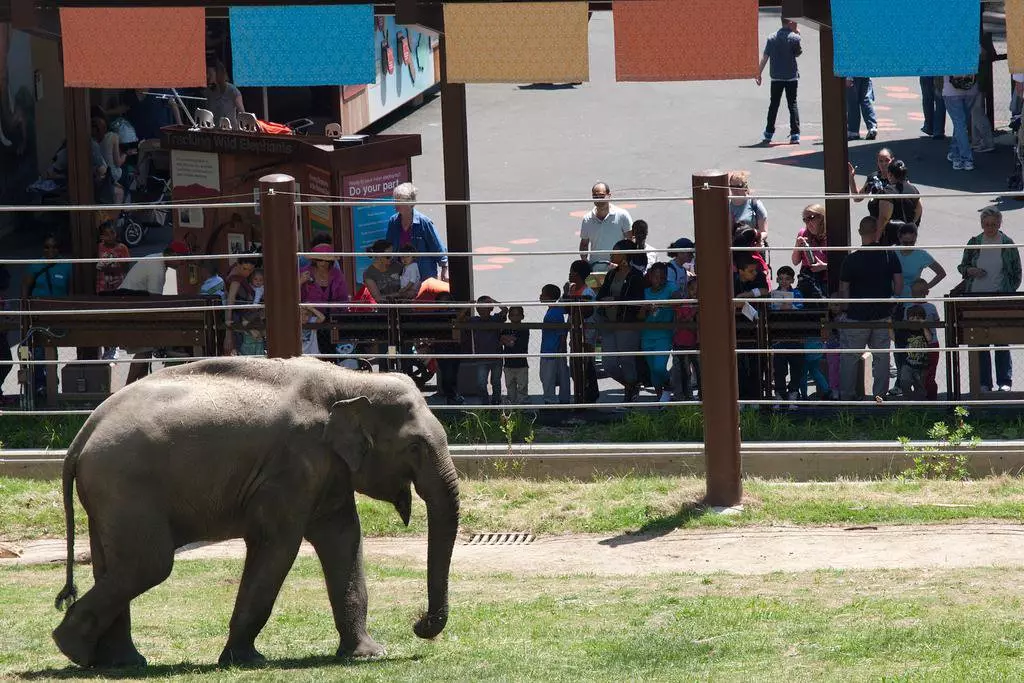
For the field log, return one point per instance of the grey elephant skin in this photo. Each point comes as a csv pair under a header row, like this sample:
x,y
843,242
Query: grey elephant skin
x,y
267,450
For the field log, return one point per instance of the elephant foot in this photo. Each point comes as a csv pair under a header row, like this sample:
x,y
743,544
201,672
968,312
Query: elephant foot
x,y
118,656
239,655
364,647
79,650
430,625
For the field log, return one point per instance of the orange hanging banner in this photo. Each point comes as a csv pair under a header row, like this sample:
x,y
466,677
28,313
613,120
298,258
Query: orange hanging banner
x,y
135,47
685,40
1015,35
516,42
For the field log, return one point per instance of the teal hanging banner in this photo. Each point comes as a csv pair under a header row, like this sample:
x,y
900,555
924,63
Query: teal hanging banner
x,y
294,46
906,37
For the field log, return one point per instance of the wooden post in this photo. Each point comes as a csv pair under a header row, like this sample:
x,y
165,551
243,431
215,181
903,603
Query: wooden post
x,y
82,225
455,142
280,266
719,380
837,158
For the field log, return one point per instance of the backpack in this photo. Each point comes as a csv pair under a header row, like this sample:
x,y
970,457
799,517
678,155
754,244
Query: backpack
x,y
963,82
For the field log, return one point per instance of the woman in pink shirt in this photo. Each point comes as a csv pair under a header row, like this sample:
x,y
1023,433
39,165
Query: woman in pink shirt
x,y
322,283
808,252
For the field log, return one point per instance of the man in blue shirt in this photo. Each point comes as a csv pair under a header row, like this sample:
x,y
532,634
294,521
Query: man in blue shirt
x,y
409,226
781,50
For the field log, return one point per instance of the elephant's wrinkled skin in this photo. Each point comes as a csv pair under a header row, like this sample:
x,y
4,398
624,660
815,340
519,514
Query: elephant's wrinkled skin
x,y
267,450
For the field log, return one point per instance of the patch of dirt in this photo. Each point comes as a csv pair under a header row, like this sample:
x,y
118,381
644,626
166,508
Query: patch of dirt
x,y
757,550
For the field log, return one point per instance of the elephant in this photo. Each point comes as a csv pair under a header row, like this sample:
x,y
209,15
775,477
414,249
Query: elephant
x,y
269,450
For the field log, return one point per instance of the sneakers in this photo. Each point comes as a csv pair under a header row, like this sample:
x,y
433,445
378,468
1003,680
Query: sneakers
x,y
794,139
766,139
872,134
949,157
853,136
984,150
967,166
985,389
666,396
959,165
1006,387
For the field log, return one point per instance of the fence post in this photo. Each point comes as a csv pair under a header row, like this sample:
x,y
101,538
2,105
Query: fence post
x,y
718,371
280,266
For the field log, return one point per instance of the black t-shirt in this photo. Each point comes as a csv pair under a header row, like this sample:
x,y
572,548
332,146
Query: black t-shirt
x,y
520,344
870,276
902,209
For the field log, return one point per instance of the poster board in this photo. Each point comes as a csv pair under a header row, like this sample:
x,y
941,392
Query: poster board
x,y
370,222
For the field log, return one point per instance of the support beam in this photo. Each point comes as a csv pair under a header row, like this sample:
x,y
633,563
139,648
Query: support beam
x,y
837,178
455,138
280,242
82,234
719,373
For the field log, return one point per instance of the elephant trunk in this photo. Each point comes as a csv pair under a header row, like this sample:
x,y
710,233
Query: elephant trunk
x,y
441,493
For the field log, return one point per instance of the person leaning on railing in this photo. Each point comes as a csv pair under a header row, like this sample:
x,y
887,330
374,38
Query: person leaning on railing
x,y
51,280
992,270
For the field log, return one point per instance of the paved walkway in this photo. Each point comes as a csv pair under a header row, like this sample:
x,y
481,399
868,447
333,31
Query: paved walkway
x,y
756,550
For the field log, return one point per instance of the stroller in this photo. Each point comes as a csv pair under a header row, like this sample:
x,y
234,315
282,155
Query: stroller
x,y
133,225
1015,183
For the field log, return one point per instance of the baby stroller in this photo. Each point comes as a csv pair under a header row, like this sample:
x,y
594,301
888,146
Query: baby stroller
x,y
1015,183
133,225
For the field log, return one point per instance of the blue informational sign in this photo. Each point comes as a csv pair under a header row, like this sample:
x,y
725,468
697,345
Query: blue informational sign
x,y
369,224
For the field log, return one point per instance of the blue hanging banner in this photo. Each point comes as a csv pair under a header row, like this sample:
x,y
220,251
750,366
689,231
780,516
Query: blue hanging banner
x,y
906,37
295,46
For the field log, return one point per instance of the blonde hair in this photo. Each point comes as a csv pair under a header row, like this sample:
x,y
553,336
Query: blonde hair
x,y
820,210
740,176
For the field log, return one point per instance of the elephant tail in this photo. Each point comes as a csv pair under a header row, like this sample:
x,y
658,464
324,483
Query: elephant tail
x,y
69,593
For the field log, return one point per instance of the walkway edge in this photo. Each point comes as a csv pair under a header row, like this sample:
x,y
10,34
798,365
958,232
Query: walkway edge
x,y
796,461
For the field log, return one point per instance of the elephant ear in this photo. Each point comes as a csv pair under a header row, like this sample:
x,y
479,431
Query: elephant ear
x,y
347,430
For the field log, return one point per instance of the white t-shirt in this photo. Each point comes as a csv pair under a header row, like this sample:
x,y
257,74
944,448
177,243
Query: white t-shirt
x,y
146,276
949,91
603,234
410,275
991,261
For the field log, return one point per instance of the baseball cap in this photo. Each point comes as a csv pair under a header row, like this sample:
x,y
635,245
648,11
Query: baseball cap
x,y
681,244
178,247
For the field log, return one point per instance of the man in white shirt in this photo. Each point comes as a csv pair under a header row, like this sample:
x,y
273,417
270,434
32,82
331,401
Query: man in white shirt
x,y
147,276
605,225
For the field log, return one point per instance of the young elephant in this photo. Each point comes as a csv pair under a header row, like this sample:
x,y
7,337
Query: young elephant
x,y
271,451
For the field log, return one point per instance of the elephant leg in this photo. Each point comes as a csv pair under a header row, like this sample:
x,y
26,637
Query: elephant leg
x,y
268,557
137,553
337,540
115,647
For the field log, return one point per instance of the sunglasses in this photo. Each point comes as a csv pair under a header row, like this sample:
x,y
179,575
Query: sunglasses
x,y
738,187
810,217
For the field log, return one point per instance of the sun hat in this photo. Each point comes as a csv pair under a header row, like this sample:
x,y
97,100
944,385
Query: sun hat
x,y
322,249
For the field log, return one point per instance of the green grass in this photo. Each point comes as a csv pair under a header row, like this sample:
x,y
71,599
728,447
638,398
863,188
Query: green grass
x,y
33,509
924,625
683,423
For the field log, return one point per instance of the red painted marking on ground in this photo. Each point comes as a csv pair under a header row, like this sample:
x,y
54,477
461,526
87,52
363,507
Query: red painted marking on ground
x,y
904,95
487,266
578,214
883,121
882,107
801,152
896,88
915,116
525,240
491,250
626,206
501,259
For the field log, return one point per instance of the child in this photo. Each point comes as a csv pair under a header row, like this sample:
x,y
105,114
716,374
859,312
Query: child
x,y
583,369
410,273
915,363
485,343
658,339
831,336
686,338
919,290
310,345
680,268
517,370
553,371
447,367
110,274
213,283
786,298
257,284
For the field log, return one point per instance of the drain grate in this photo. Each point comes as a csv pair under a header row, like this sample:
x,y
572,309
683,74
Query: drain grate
x,y
517,538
